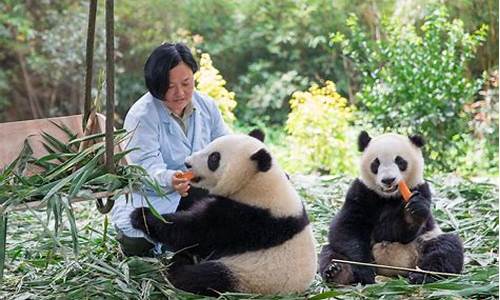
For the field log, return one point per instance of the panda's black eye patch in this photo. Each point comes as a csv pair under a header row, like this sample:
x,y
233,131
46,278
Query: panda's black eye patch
x,y
374,166
213,161
402,163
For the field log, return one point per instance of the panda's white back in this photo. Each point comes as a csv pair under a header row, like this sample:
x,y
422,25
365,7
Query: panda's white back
x,y
287,268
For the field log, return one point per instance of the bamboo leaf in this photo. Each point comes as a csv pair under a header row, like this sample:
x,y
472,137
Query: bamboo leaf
x,y
94,136
77,160
72,222
20,163
70,134
56,144
81,179
153,209
61,183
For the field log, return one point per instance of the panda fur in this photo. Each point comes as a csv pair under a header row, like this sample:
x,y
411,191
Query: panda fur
x,y
376,226
252,232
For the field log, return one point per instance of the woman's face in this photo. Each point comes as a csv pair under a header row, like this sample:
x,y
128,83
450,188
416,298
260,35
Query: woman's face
x,y
180,88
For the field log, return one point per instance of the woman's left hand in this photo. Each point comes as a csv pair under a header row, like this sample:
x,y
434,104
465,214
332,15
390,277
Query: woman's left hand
x,y
180,184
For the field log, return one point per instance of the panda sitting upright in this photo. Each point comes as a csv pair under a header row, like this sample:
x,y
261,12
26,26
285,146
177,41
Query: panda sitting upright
x,y
375,225
252,232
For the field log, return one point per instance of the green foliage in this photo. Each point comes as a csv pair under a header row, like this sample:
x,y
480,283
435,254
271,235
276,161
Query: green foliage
x,y
42,46
267,49
210,82
266,101
15,30
415,80
318,128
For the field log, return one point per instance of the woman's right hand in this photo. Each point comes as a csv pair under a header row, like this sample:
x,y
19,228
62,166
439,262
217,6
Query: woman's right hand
x,y
180,184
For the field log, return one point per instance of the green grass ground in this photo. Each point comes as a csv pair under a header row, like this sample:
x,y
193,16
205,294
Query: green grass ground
x,y
40,268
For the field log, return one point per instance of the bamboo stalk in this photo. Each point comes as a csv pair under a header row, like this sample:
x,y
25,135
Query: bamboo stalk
x,y
395,268
89,60
110,85
3,242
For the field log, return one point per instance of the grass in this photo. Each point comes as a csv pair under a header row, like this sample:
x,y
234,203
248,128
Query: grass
x,y
38,268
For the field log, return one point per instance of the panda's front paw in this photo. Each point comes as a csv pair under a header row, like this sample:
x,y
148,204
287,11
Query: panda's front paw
x,y
418,208
139,218
337,273
332,271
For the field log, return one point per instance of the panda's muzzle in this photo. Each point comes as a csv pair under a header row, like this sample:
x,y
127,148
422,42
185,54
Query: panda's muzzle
x,y
196,179
390,189
388,184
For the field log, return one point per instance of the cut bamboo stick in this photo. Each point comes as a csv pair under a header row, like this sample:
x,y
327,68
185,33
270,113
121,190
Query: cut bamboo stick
x,y
395,268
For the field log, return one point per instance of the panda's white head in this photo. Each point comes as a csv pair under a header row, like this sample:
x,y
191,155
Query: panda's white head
x,y
228,163
389,158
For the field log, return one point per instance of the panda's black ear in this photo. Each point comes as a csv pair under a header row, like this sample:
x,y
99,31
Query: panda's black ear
x,y
417,140
363,140
263,159
258,134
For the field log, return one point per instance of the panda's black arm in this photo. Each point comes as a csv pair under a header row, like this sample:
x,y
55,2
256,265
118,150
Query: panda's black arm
x,y
403,222
178,232
417,211
223,225
349,238
351,229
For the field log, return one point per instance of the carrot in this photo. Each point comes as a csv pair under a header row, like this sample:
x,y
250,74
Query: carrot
x,y
404,190
188,175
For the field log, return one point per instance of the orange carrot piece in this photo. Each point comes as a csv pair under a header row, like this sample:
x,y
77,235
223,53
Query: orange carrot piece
x,y
404,190
188,175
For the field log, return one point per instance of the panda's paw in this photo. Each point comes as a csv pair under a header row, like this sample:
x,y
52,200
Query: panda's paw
x,y
139,218
332,271
418,208
419,278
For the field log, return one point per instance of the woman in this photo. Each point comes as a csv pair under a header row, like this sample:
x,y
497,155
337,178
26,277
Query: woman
x,y
168,123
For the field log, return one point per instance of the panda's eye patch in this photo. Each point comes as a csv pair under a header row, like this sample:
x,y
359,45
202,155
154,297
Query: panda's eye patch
x,y
374,166
213,161
401,162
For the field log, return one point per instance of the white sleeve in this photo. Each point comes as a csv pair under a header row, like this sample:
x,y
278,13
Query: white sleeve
x,y
145,138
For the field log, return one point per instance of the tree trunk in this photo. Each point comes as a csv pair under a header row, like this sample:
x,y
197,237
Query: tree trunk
x,y
33,102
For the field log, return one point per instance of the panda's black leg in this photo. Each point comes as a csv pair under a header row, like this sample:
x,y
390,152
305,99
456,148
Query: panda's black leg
x,y
207,278
444,253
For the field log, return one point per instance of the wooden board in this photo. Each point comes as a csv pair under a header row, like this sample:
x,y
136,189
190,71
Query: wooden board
x,y
13,134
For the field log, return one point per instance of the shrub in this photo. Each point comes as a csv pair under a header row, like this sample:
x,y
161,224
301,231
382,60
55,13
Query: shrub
x,y
318,132
210,82
415,80
482,158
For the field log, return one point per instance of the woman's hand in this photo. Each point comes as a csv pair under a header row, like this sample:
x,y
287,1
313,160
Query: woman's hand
x,y
180,184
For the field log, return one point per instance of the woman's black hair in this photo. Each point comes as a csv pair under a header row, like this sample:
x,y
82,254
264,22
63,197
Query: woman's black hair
x,y
160,62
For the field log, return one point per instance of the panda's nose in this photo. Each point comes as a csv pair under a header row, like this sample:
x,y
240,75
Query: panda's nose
x,y
388,181
188,165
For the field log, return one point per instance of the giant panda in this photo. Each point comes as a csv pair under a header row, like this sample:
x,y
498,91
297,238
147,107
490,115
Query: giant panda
x,y
374,225
252,232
